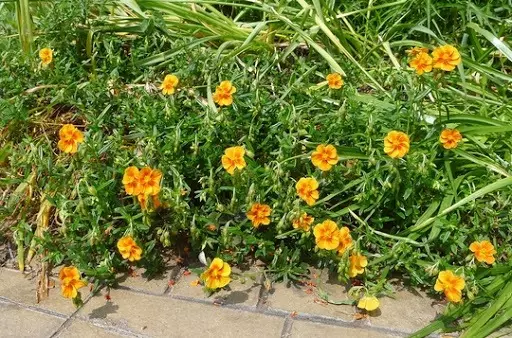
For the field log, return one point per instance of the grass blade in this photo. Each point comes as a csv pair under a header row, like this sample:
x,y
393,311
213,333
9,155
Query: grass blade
x,y
500,45
477,194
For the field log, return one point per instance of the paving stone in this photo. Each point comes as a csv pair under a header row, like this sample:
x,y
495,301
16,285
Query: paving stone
x,y
137,281
22,288
81,329
164,316
307,330
244,288
18,322
305,299
409,311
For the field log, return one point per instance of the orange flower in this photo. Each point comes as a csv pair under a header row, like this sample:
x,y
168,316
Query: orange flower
x,y
334,80
143,201
396,144
150,181
223,95
70,137
259,214
303,222
129,249
131,181
345,240
324,157
46,56
70,281
357,264
156,201
484,251
307,189
233,158
327,235
451,284
217,275
450,138
169,84
446,58
417,50
422,63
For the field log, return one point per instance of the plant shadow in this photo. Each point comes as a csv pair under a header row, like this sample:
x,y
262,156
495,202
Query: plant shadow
x,y
103,311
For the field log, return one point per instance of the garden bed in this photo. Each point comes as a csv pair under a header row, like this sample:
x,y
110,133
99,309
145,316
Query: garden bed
x,y
288,135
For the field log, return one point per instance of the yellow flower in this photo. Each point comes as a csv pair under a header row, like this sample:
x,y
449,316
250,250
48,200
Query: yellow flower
x,y
150,181
324,157
446,58
450,138
303,222
233,158
46,56
422,63
327,235
396,144
334,80
129,249
484,251
417,50
368,303
217,275
169,84
259,214
307,189
357,264
70,281
223,95
70,137
345,240
131,181
451,284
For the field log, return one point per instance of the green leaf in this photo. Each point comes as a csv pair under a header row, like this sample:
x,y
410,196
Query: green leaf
x,y
498,43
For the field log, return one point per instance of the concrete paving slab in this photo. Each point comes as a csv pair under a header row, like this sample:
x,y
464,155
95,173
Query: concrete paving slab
x,y
305,298
164,316
19,322
244,288
307,330
137,281
78,328
408,310
22,288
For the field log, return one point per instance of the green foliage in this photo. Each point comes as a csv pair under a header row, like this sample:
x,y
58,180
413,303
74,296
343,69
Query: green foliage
x,y
415,216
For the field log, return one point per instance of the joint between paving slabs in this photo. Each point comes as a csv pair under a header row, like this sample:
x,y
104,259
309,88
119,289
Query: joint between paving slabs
x,y
262,295
175,275
33,308
68,320
287,327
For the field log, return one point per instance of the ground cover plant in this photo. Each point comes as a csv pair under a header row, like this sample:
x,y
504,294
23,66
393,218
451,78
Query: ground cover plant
x,y
372,139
